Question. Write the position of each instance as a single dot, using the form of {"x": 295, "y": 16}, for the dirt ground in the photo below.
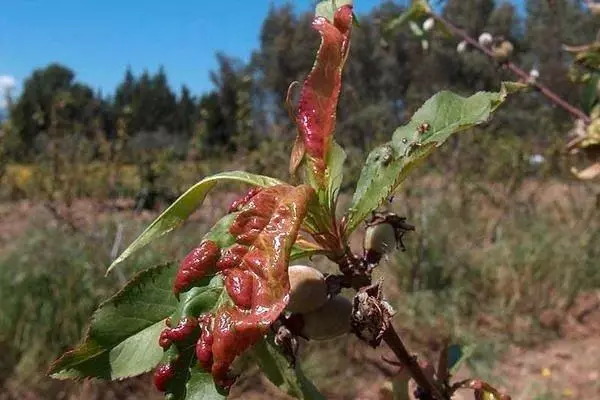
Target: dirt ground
{"x": 567, "y": 367}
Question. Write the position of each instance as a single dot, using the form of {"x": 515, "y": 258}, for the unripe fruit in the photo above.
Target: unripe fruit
{"x": 329, "y": 321}
{"x": 380, "y": 239}
{"x": 308, "y": 290}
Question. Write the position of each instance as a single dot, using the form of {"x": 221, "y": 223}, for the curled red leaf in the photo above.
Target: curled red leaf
{"x": 204, "y": 345}
{"x": 258, "y": 285}
{"x": 239, "y": 203}
{"x": 184, "y": 331}
{"x": 196, "y": 265}
{"x": 254, "y": 271}
{"x": 163, "y": 375}
{"x": 316, "y": 113}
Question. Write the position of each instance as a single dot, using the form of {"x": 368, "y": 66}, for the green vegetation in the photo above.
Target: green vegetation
{"x": 503, "y": 247}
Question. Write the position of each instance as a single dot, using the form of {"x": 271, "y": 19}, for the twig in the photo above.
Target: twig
{"x": 546, "y": 91}
{"x": 390, "y": 336}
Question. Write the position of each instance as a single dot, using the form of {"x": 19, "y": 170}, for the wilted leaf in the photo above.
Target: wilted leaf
{"x": 122, "y": 340}
{"x": 185, "y": 205}
{"x": 389, "y": 164}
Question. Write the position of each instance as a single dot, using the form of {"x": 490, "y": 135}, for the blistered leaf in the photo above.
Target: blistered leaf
{"x": 185, "y": 205}
{"x": 278, "y": 369}
{"x": 389, "y": 164}
{"x": 327, "y": 8}
{"x": 315, "y": 117}
{"x": 251, "y": 259}
{"x": 122, "y": 339}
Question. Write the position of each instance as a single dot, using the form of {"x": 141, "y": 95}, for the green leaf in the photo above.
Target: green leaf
{"x": 300, "y": 251}
{"x": 590, "y": 93}
{"x": 201, "y": 386}
{"x": 322, "y": 208}
{"x": 334, "y": 174}
{"x": 122, "y": 340}
{"x": 389, "y": 164}
{"x": 400, "y": 388}
{"x": 190, "y": 381}
{"x": 457, "y": 355}
{"x": 281, "y": 373}
{"x": 185, "y": 205}
{"x": 327, "y": 8}
{"x": 417, "y": 10}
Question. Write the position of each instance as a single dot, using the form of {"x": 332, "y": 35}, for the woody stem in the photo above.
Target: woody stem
{"x": 545, "y": 90}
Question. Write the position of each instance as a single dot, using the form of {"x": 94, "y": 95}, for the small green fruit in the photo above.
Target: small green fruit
{"x": 329, "y": 321}
{"x": 308, "y": 290}
{"x": 380, "y": 239}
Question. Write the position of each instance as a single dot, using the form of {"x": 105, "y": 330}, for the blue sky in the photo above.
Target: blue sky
{"x": 99, "y": 39}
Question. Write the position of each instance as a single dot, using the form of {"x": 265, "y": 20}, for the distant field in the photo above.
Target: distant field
{"x": 515, "y": 273}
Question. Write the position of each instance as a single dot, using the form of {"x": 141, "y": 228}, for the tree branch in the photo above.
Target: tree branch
{"x": 546, "y": 91}
{"x": 390, "y": 336}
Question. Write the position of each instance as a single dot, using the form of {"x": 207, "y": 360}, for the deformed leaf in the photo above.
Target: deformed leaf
{"x": 389, "y": 164}
{"x": 315, "y": 117}
{"x": 179, "y": 374}
{"x": 122, "y": 339}
{"x": 327, "y": 8}
{"x": 252, "y": 258}
{"x": 185, "y": 205}
{"x": 278, "y": 369}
